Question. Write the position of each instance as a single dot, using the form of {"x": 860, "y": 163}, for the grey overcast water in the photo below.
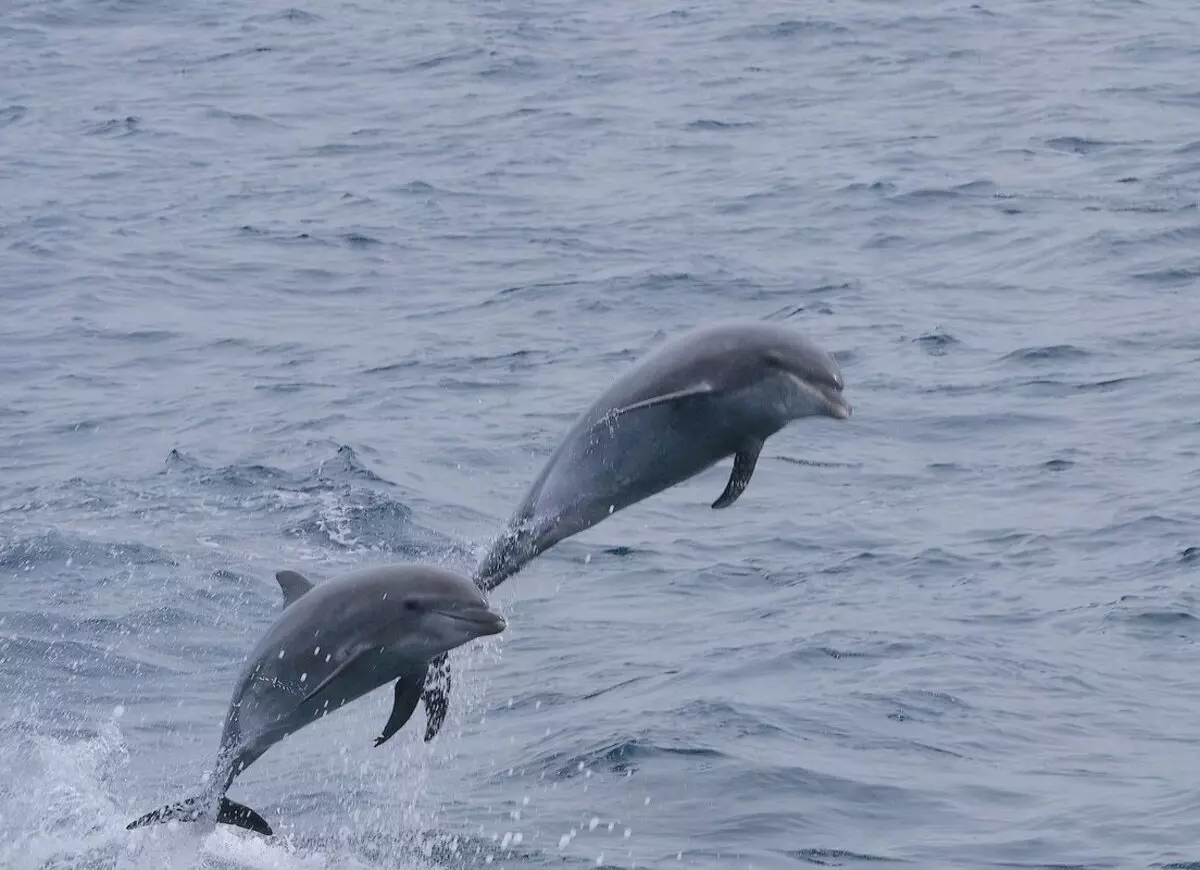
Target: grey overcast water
{"x": 321, "y": 286}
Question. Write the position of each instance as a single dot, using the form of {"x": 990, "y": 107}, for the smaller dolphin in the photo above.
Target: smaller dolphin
{"x": 334, "y": 643}
{"x": 711, "y": 393}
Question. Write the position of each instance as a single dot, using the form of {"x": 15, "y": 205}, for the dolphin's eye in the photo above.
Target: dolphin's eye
{"x": 412, "y": 605}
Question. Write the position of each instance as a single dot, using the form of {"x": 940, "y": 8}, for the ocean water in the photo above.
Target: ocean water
{"x": 318, "y": 286}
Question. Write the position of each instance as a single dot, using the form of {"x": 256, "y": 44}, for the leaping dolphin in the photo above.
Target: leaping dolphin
{"x": 333, "y": 643}
{"x": 714, "y": 392}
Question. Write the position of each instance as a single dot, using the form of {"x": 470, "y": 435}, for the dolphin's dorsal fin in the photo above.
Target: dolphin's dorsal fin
{"x": 293, "y": 583}
{"x": 702, "y": 388}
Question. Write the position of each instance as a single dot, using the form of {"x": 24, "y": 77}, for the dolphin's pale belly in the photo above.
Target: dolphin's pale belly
{"x": 614, "y": 466}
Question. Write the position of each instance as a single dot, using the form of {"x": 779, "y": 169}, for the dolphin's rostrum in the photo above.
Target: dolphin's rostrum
{"x": 333, "y": 643}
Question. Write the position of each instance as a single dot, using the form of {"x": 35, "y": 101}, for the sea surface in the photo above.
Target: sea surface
{"x": 318, "y": 286}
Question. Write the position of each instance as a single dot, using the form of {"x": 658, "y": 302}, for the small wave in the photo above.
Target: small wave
{"x": 925, "y": 195}
{"x": 12, "y": 114}
{"x": 936, "y": 343}
{"x": 884, "y": 187}
{"x": 831, "y": 857}
{"x": 790, "y": 28}
{"x": 1048, "y": 353}
{"x": 619, "y": 757}
{"x": 370, "y": 521}
{"x": 230, "y": 55}
{"x": 346, "y": 465}
{"x": 521, "y": 67}
{"x": 245, "y": 119}
{"x": 1163, "y": 617}
{"x": 713, "y": 124}
{"x": 53, "y": 547}
{"x": 360, "y": 240}
{"x": 290, "y": 15}
{"x": 1058, "y": 464}
{"x": 282, "y": 237}
{"x": 116, "y": 127}
{"x": 1077, "y": 144}
{"x": 1171, "y": 276}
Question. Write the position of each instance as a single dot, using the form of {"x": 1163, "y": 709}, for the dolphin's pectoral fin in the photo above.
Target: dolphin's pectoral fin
{"x": 743, "y": 469}
{"x": 408, "y": 693}
{"x": 293, "y": 584}
{"x": 436, "y": 696}
{"x": 703, "y": 388}
{"x": 349, "y": 662}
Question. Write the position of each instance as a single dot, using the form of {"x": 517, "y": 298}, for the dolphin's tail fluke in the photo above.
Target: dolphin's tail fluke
{"x": 230, "y": 813}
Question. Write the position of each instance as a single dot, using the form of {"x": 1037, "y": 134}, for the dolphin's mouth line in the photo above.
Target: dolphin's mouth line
{"x": 494, "y": 623}
{"x": 835, "y": 403}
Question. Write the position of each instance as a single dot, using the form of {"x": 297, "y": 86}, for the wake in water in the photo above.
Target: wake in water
{"x": 59, "y": 813}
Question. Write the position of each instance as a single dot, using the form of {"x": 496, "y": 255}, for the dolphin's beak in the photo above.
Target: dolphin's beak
{"x": 836, "y": 405}
{"x": 839, "y": 408}
{"x": 828, "y": 396}
{"x": 481, "y": 619}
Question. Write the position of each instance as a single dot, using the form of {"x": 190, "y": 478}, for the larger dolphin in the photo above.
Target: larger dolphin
{"x": 711, "y": 393}
{"x": 334, "y": 643}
